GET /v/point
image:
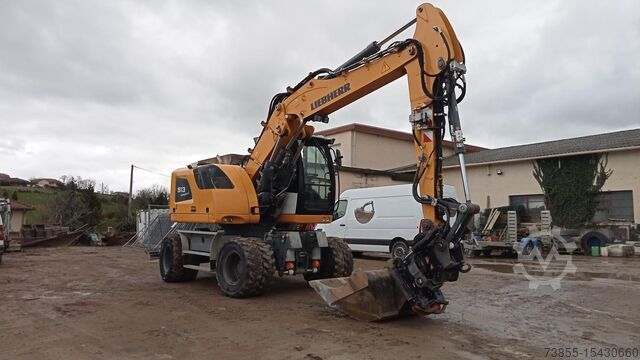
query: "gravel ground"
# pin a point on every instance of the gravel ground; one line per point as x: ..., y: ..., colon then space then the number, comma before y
x: 110, y: 303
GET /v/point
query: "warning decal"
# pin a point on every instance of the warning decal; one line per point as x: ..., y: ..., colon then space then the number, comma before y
x: 427, y: 136
x: 385, y: 68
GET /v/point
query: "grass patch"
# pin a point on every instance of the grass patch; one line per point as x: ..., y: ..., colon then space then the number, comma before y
x: 38, y: 198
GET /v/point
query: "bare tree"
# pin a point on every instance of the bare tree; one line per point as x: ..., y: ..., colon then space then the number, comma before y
x: 154, y: 195
x: 77, y: 204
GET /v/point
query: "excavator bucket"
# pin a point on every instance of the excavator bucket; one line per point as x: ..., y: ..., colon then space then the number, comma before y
x: 365, y: 295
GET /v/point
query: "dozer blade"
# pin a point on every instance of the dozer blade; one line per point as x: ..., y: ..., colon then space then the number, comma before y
x: 365, y: 295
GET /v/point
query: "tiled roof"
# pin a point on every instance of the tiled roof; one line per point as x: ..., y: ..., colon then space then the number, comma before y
x: 573, y: 146
x: 20, y: 206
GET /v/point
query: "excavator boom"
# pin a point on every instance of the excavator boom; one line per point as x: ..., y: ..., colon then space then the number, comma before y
x: 430, y: 57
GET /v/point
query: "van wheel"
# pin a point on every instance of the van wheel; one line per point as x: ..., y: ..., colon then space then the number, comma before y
x: 399, y: 249
x: 336, y: 260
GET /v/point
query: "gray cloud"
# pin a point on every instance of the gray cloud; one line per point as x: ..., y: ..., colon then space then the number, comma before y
x: 89, y: 87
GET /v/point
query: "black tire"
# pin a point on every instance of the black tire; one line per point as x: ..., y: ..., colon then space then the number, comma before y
x: 487, y: 252
x: 528, y: 249
x: 476, y: 253
x: 244, y: 267
x: 591, y: 238
x: 399, y: 249
x: 336, y: 260
x: 171, y: 261
x: 357, y: 254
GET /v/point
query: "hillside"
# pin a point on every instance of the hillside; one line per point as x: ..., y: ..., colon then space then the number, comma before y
x: 34, y: 197
x: 113, y: 210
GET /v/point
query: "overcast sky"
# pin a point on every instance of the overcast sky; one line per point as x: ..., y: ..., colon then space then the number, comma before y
x: 89, y: 87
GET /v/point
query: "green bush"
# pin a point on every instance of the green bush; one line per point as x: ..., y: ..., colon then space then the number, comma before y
x: 571, y: 186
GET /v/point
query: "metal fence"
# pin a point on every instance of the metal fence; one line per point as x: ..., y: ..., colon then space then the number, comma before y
x: 150, y: 237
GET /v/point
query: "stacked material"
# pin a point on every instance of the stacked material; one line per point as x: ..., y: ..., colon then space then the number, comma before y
x: 620, y: 250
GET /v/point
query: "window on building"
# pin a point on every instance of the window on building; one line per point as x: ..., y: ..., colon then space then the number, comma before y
x: 614, y: 205
x: 531, y: 206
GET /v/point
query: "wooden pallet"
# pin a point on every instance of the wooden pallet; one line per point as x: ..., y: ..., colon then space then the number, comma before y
x: 14, y: 246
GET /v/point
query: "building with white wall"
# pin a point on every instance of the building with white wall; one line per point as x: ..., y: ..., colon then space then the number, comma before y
x: 504, y: 176
x: 498, y: 177
x: 372, y: 156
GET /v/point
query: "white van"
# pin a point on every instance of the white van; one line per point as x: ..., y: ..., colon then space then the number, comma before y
x: 379, y: 219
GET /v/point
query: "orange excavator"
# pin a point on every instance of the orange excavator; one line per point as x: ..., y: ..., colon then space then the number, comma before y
x: 248, y: 218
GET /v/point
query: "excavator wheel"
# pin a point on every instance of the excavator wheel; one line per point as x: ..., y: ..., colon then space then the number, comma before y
x: 171, y: 261
x: 244, y: 267
x: 336, y: 261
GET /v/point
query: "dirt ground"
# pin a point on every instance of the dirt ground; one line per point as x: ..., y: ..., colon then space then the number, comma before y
x: 110, y: 303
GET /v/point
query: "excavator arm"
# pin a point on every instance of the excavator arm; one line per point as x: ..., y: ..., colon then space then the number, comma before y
x: 433, y: 61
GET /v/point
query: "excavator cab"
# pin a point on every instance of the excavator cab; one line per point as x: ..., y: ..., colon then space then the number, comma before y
x: 313, y: 186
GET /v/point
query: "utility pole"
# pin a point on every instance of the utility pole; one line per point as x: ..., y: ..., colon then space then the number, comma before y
x: 130, y: 191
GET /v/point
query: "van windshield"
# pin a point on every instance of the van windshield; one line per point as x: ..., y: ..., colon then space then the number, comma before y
x: 340, y: 209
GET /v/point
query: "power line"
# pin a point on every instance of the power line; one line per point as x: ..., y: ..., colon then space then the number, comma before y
x: 131, y: 183
x: 151, y: 171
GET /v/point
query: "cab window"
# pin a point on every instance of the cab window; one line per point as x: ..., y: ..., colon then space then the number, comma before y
x: 318, y: 179
x: 211, y: 177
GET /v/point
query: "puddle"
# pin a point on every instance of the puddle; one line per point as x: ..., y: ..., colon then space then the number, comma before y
x: 557, y: 269
x: 501, y: 268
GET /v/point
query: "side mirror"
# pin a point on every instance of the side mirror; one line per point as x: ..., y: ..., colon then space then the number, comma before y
x: 338, y: 158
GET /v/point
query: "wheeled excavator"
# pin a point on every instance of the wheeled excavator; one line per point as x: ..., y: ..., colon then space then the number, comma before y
x: 248, y: 218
